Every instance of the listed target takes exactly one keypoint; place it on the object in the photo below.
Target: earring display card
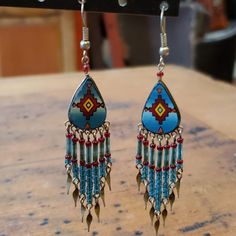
(141, 7)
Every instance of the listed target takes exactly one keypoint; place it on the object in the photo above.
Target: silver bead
(164, 51)
(85, 44)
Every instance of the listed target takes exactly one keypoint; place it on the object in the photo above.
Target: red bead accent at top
(180, 140)
(145, 142)
(69, 135)
(173, 166)
(140, 137)
(153, 145)
(160, 74)
(95, 142)
(88, 144)
(167, 147)
(101, 139)
(138, 157)
(166, 168)
(160, 148)
(107, 134)
(74, 161)
(174, 145)
(75, 140)
(82, 141)
(86, 68)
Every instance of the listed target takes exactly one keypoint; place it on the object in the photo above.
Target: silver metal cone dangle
(88, 131)
(159, 148)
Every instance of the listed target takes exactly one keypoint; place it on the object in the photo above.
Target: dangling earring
(87, 126)
(160, 163)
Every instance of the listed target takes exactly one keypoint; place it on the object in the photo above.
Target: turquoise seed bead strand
(173, 164)
(158, 190)
(75, 169)
(68, 155)
(102, 164)
(151, 173)
(145, 160)
(96, 186)
(139, 151)
(89, 180)
(82, 169)
(166, 171)
(180, 141)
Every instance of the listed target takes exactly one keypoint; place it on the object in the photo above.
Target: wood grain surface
(32, 175)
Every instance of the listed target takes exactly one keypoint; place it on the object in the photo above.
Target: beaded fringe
(159, 160)
(92, 171)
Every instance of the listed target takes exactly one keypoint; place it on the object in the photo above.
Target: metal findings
(159, 143)
(88, 157)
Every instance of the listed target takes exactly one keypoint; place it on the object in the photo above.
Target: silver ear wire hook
(164, 49)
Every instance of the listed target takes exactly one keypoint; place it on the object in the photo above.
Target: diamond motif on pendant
(160, 110)
(88, 105)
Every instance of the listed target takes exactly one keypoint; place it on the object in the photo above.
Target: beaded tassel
(68, 158)
(158, 170)
(139, 158)
(108, 157)
(89, 176)
(180, 141)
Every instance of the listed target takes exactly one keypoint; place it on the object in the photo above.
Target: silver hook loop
(83, 14)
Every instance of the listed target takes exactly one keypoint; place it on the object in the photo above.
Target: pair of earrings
(160, 165)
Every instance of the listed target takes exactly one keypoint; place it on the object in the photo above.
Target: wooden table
(32, 193)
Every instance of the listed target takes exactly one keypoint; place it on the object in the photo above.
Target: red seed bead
(166, 168)
(174, 145)
(88, 166)
(75, 140)
(95, 163)
(107, 155)
(102, 159)
(69, 135)
(152, 167)
(173, 166)
(153, 145)
(180, 161)
(140, 137)
(145, 163)
(160, 74)
(158, 169)
(180, 140)
(74, 161)
(88, 144)
(167, 147)
(107, 134)
(145, 143)
(95, 142)
(101, 139)
(86, 68)
(138, 157)
(68, 157)
(82, 163)
(160, 148)
(82, 141)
